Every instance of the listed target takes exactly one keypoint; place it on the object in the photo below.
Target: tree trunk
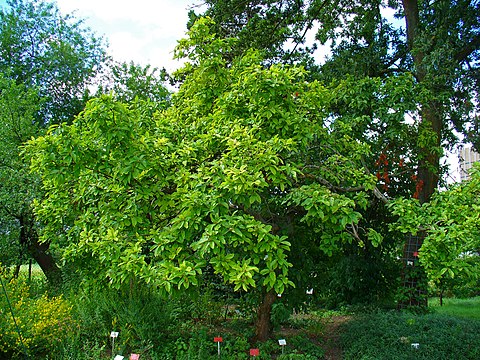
(38, 251)
(414, 278)
(264, 328)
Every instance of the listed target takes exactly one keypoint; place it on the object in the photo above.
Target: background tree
(55, 53)
(435, 41)
(130, 81)
(47, 62)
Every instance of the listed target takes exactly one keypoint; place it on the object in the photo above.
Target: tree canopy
(218, 178)
(57, 54)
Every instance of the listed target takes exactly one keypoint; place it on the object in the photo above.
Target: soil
(330, 338)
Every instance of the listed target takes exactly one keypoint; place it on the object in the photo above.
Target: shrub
(44, 322)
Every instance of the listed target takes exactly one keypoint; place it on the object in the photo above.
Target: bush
(44, 322)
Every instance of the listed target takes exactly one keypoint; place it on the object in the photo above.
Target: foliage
(390, 336)
(202, 175)
(41, 48)
(128, 81)
(44, 322)
(451, 225)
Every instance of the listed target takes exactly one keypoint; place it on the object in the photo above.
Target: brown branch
(468, 49)
(308, 27)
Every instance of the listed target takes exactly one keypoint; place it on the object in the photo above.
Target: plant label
(114, 334)
(217, 339)
(310, 292)
(254, 352)
(282, 342)
(415, 346)
(118, 357)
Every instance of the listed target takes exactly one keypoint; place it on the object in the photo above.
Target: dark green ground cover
(390, 335)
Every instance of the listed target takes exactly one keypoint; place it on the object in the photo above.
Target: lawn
(464, 308)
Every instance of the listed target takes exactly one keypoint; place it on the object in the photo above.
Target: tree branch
(468, 49)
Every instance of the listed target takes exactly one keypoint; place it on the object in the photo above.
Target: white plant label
(114, 334)
(282, 342)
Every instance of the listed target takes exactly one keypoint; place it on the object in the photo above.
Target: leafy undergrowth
(185, 327)
(399, 336)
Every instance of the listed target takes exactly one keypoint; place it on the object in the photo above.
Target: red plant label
(254, 352)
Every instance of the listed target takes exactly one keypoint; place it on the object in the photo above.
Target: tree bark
(264, 328)
(429, 163)
(39, 251)
(414, 279)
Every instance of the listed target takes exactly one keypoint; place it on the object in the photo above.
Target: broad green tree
(218, 179)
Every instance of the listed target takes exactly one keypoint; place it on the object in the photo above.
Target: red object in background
(254, 352)
(415, 254)
(217, 339)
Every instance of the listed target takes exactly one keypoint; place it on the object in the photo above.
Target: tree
(450, 222)
(438, 43)
(40, 47)
(47, 61)
(212, 180)
(128, 81)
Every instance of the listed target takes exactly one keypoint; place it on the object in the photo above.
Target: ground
(331, 337)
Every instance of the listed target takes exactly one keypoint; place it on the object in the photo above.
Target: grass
(37, 272)
(463, 308)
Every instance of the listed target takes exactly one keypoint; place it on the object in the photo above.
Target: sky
(143, 31)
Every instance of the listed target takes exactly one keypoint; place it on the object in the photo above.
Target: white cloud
(145, 31)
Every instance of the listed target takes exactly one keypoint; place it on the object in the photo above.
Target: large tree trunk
(264, 328)
(38, 251)
(430, 133)
(429, 163)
